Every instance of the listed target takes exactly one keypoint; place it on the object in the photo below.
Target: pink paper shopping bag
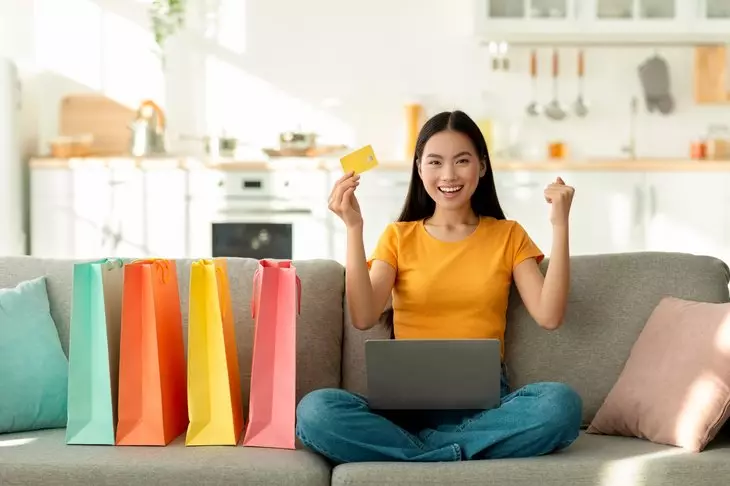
(275, 305)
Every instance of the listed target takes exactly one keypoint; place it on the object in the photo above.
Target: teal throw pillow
(33, 367)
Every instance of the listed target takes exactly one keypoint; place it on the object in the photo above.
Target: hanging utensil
(503, 55)
(656, 83)
(534, 108)
(581, 106)
(554, 109)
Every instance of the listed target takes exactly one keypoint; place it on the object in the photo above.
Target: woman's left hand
(560, 197)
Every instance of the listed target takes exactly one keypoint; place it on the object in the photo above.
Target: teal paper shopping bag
(96, 315)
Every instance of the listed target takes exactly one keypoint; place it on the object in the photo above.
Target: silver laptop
(433, 374)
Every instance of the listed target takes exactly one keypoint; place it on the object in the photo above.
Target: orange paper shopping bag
(272, 403)
(214, 387)
(152, 384)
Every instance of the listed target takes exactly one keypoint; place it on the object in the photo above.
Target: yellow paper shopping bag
(214, 390)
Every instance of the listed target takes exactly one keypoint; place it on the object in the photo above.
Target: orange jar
(557, 150)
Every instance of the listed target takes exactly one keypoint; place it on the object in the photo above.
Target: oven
(277, 214)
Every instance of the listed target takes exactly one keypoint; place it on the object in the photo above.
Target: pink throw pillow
(675, 386)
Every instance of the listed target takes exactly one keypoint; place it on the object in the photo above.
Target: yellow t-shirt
(453, 290)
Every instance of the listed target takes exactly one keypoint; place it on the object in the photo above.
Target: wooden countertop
(192, 163)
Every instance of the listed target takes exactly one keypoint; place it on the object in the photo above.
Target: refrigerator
(12, 235)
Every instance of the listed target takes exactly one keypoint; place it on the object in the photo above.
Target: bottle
(413, 121)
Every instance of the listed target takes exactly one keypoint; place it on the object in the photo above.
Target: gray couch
(611, 298)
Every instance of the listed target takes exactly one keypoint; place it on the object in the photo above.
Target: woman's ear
(482, 168)
(418, 167)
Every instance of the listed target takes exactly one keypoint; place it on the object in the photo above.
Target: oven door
(277, 230)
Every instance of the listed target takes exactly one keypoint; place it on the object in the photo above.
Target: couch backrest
(611, 298)
(319, 336)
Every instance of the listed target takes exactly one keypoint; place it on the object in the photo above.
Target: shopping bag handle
(161, 264)
(256, 294)
(112, 262)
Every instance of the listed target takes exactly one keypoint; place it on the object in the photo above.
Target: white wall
(343, 69)
(376, 55)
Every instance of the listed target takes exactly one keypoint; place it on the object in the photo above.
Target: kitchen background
(204, 146)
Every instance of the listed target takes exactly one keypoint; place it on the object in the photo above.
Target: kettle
(148, 130)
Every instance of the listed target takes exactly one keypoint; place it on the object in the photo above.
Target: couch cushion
(35, 458)
(33, 368)
(319, 327)
(675, 387)
(611, 298)
(591, 461)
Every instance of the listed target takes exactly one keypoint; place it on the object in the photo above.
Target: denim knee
(317, 411)
(561, 407)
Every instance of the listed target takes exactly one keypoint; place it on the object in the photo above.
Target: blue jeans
(537, 419)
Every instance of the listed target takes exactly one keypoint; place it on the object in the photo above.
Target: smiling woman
(451, 155)
(449, 263)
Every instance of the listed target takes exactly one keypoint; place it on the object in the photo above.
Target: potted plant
(167, 17)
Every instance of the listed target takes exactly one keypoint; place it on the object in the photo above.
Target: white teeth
(450, 189)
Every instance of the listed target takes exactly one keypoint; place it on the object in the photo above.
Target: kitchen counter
(190, 163)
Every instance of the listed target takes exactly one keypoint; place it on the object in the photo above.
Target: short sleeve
(387, 247)
(522, 247)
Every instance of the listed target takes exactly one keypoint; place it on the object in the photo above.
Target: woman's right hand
(343, 202)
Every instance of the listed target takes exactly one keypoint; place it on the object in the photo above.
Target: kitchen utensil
(654, 76)
(148, 130)
(297, 141)
(534, 108)
(494, 55)
(221, 146)
(581, 106)
(554, 109)
(498, 54)
(503, 56)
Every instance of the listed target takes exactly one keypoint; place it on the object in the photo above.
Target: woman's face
(450, 169)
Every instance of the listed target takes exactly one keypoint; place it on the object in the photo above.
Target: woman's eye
(463, 161)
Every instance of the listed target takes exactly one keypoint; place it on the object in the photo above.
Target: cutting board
(107, 120)
(710, 76)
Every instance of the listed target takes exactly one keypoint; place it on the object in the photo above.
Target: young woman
(449, 262)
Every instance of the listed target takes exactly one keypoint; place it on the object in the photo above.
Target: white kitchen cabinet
(96, 211)
(51, 215)
(607, 214)
(126, 235)
(551, 22)
(165, 215)
(521, 195)
(688, 212)
(714, 16)
(70, 212)
(205, 197)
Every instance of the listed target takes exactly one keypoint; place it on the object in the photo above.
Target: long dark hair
(484, 202)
